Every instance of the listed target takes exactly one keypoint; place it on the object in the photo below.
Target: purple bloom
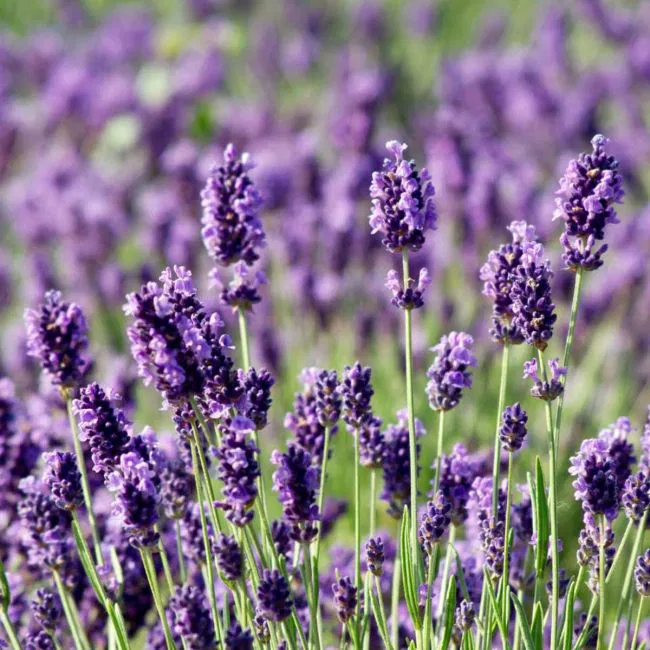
(192, 534)
(371, 443)
(397, 465)
(243, 292)
(636, 495)
(328, 398)
(434, 522)
(333, 510)
(589, 189)
(273, 596)
(232, 230)
(457, 473)
(46, 608)
(345, 598)
(547, 390)
(356, 390)
(375, 555)
(644, 461)
(103, 426)
(450, 373)
(465, 615)
(63, 479)
(176, 486)
(596, 484)
(296, 481)
(402, 202)
(261, 627)
(57, 335)
(238, 638)
(238, 469)
(191, 618)
(39, 641)
(498, 275)
(642, 574)
(257, 392)
(228, 557)
(513, 429)
(492, 540)
(409, 297)
(621, 450)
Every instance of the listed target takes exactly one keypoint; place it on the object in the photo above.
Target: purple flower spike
(176, 485)
(228, 556)
(274, 596)
(296, 481)
(621, 450)
(191, 618)
(63, 479)
(371, 443)
(546, 390)
(46, 608)
(345, 598)
(328, 398)
(642, 575)
(493, 544)
(243, 292)
(513, 429)
(375, 556)
(589, 190)
(434, 522)
(409, 297)
(450, 373)
(232, 230)
(402, 202)
(356, 390)
(39, 641)
(636, 495)
(257, 392)
(57, 335)
(457, 473)
(238, 638)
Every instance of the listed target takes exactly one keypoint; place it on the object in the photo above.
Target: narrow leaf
(537, 627)
(495, 606)
(568, 616)
(410, 587)
(542, 518)
(450, 613)
(522, 621)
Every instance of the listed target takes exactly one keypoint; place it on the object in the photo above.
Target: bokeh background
(111, 113)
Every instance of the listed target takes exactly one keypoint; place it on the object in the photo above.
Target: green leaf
(537, 628)
(541, 512)
(5, 591)
(379, 619)
(409, 582)
(460, 574)
(522, 621)
(450, 611)
(496, 610)
(568, 616)
(412, 645)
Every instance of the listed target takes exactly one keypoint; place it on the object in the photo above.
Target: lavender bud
(513, 429)
(457, 473)
(63, 479)
(621, 451)
(328, 399)
(642, 574)
(238, 638)
(493, 543)
(546, 390)
(636, 496)
(375, 556)
(371, 443)
(39, 641)
(356, 391)
(176, 485)
(434, 522)
(228, 557)
(261, 627)
(46, 608)
(242, 293)
(464, 619)
(345, 598)
(273, 596)
(191, 618)
(257, 389)
(412, 295)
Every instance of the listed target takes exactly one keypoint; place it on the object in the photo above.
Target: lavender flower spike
(356, 390)
(642, 574)
(63, 479)
(449, 374)
(191, 618)
(273, 596)
(513, 429)
(402, 202)
(546, 390)
(434, 522)
(589, 189)
(345, 598)
(409, 297)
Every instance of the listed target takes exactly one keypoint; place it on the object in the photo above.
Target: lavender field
(324, 325)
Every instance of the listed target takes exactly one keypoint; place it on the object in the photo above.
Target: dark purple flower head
(57, 335)
(532, 304)
(176, 487)
(513, 429)
(396, 464)
(328, 398)
(238, 469)
(434, 522)
(257, 391)
(498, 275)
(243, 291)
(192, 534)
(589, 624)
(371, 443)
(375, 555)
(464, 619)
(589, 190)
(63, 479)
(450, 372)
(228, 557)
(136, 499)
(281, 534)
(550, 389)
(238, 638)
(636, 495)
(39, 641)
(345, 598)
(102, 426)
(356, 390)
(46, 608)
(621, 450)
(191, 618)
(493, 544)
(457, 473)
(642, 574)
(274, 596)
(402, 202)
(409, 297)
(232, 230)
(644, 461)
(596, 483)
(333, 510)
(588, 542)
(296, 481)
(261, 627)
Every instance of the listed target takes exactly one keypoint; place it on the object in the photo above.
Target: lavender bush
(209, 216)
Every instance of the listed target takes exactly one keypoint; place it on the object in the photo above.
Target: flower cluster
(513, 429)
(546, 389)
(63, 479)
(434, 522)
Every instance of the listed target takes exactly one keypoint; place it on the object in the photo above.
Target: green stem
(150, 571)
(373, 501)
(621, 546)
(309, 590)
(169, 578)
(496, 461)
(441, 429)
(637, 624)
(427, 603)
(413, 460)
(552, 497)
(506, 554)
(357, 526)
(445, 569)
(577, 288)
(601, 583)
(381, 624)
(394, 602)
(179, 552)
(78, 635)
(85, 485)
(9, 629)
(321, 492)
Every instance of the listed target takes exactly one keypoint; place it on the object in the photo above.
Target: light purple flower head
(545, 389)
(411, 297)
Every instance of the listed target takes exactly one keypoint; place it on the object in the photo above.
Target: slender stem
(637, 624)
(85, 485)
(619, 553)
(427, 603)
(80, 640)
(321, 491)
(150, 571)
(9, 629)
(506, 551)
(413, 461)
(445, 569)
(552, 497)
(394, 602)
(577, 287)
(496, 461)
(441, 429)
(169, 578)
(373, 501)
(382, 613)
(357, 526)
(179, 553)
(309, 590)
(601, 583)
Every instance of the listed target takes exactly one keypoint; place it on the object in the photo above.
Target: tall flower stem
(408, 354)
(496, 461)
(445, 570)
(427, 603)
(321, 491)
(441, 433)
(80, 640)
(179, 552)
(552, 497)
(9, 629)
(601, 582)
(568, 347)
(394, 601)
(506, 534)
(164, 558)
(637, 623)
(357, 525)
(150, 571)
(85, 485)
(373, 500)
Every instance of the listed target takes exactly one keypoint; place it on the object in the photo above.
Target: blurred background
(111, 114)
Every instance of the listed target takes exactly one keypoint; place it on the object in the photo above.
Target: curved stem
(637, 624)
(85, 485)
(9, 629)
(413, 461)
(394, 602)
